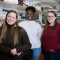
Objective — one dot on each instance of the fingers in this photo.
(18, 54)
(52, 50)
(13, 52)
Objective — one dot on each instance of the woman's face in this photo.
(51, 18)
(29, 15)
(11, 18)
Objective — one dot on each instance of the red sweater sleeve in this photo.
(58, 45)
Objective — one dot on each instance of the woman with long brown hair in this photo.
(13, 39)
(51, 38)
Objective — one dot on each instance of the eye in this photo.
(8, 16)
(13, 17)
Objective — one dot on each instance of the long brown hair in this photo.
(54, 26)
(13, 29)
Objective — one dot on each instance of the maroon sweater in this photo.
(51, 39)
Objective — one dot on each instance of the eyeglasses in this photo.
(50, 16)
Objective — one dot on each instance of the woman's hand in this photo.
(14, 51)
(52, 50)
(18, 54)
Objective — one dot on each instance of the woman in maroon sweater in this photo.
(51, 38)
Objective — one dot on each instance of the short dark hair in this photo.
(31, 8)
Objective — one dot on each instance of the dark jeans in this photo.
(28, 55)
(52, 56)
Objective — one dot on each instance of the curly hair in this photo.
(31, 8)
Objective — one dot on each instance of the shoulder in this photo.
(58, 25)
(38, 25)
(58, 28)
(21, 30)
(22, 22)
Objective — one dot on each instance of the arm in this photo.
(40, 31)
(4, 49)
(58, 45)
(25, 41)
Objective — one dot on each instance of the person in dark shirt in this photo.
(51, 38)
(13, 39)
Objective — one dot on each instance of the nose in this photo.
(10, 18)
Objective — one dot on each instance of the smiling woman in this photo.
(51, 18)
(11, 18)
(51, 38)
(13, 39)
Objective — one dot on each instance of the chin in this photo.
(10, 23)
(30, 19)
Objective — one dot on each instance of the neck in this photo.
(51, 24)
